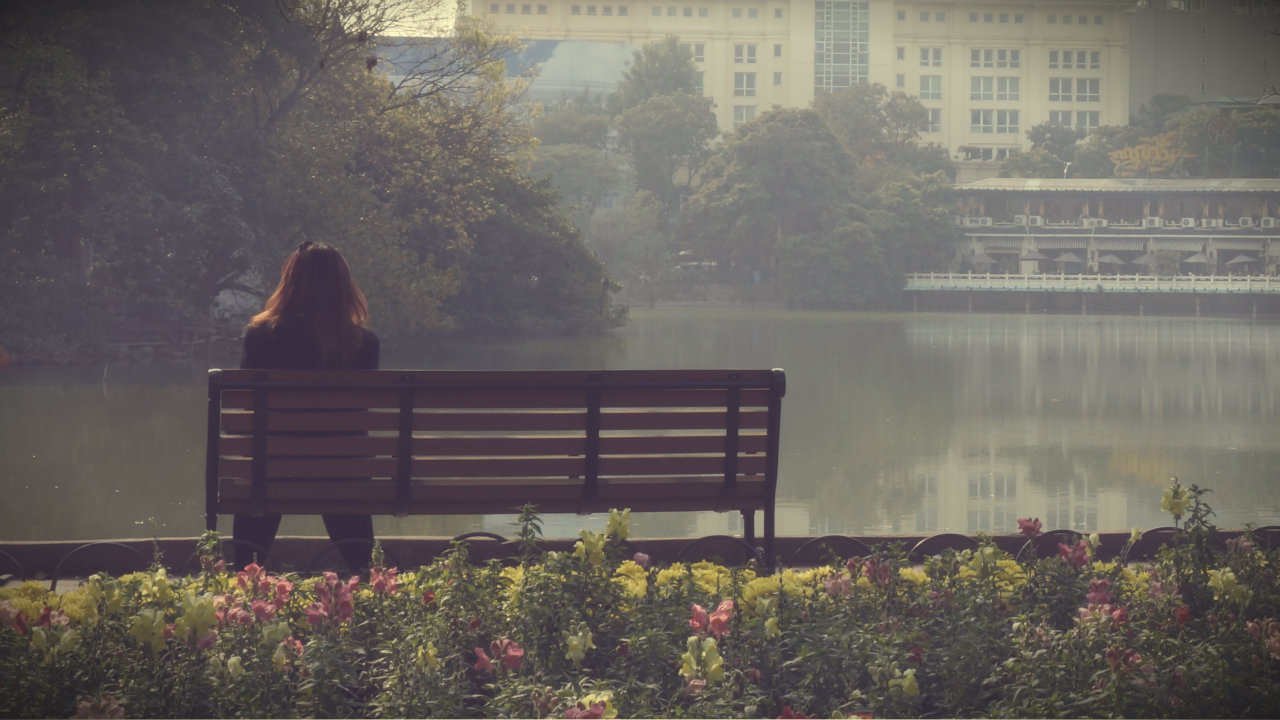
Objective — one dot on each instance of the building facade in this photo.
(985, 71)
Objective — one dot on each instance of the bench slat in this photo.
(241, 422)
(562, 470)
(242, 445)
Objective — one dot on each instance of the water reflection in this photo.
(892, 424)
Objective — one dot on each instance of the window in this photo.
(671, 11)
(1061, 118)
(930, 56)
(702, 12)
(495, 8)
(973, 17)
(591, 9)
(924, 16)
(900, 81)
(1083, 19)
(980, 121)
(989, 57)
(607, 10)
(1066, 19)
(1081, 59)
(1087, 121)
(987, 17)
(699, 52)
(688, 12)
(1004, 17)
(1007, 121)
(697, 82)
(657, 11)
(777, 78)
(940, 17)
(777, 49)
(753, 13)
(933, 122)
(737, 13)
(1088, 90)
(1059, 89)
(743, 114)
(575, 9)
(1095, 59)
(981, 88)
(982, 58)
(902, 15)
(622, 10)
(1009, 58)
(744, 84)
(777, 13)
(902, 53)
(744, 53)
(526, 9)
(1097, 19)
(930, 87)
(511, 8)
(1017, 18)
(1008, 88)
(1053, 19)
(542, 10)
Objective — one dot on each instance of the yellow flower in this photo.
(907, 683)
(1226, 589)
(771, 629)
(80, 606)
(757, 593)
(712, 663)
(672, 575)
(1175, 500)
(590, 548)
(148, 627)
(513, 576)
(914, 575)
(234, 668)
(619, 525)
(633, 578)
(605, 698)
(711, 578)
(428, 660)
(689, 660)
(576, 646)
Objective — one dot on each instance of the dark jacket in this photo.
(292, 345)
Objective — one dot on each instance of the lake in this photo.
(892, 424)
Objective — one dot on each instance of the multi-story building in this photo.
(986, 71)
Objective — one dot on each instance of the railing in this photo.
(1204, 284)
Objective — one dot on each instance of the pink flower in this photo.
(699, 620)
(1077, 555)
(719, 621)
(790, 714)
(1182, 614)
(838, 586)
(283, 589)
(316, 615)
(240, 615)
(1029, 527)
(383, 581)
(509, 651)
(248, 577)
(1119, 615)
(483, 662)
(263, 610)
(1099, 592)
(641, 559)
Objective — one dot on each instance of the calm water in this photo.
(891, 424)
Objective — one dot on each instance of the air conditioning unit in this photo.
(1150, 222)
(1188, 222)
(977, 222)
(1019, 219)
(1246, 222)
(1035, 220)
(1211, 223)
(1267, 222)
(984, 221)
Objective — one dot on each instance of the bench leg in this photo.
(769, 551)
(749, 525)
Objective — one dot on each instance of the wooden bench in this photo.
(430, 442)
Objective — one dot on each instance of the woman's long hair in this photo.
(316, 287)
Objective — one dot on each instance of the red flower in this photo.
(483, 662)
(699, 620)
(1077, 555)
(383, 581)
(428, 597)
(787, 712)
(578, 711)
(1182, 614)
(1030, 527)
(1099, 592)
(509, 651)
(719, 621)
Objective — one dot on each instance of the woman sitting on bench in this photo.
(313, 321)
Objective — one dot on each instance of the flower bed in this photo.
(593, 633)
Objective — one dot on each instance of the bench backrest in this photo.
(474, 442)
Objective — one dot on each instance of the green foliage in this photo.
(659, 68)
(975, 633)
(666, 136)
(148, 177)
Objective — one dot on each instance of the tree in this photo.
(775, 177)
(583, 176)
(659, 68)
(870, 121)
(1093, 154)
(667, 135)
(580, 120)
